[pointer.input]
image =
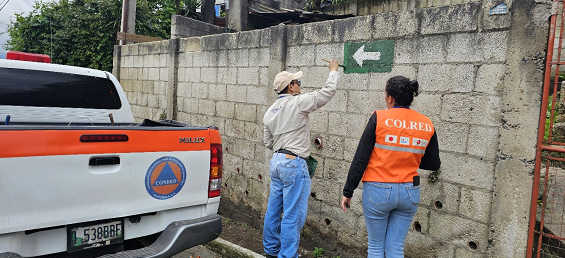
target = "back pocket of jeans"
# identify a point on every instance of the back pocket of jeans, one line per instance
(378, 194)
(414, 194)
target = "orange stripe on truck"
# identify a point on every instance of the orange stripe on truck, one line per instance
(27, 143)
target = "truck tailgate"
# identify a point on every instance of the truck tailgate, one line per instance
(60, 180)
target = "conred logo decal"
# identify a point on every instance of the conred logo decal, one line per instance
(165, 177)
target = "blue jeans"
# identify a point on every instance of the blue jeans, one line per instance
(389, 209)
(290, 190)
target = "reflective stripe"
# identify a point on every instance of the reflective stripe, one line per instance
(394, 148)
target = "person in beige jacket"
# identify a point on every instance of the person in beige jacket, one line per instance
(287, 132)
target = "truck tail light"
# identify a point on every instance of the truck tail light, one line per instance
(22, 56)
(216, 161)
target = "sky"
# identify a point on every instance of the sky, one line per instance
(7, 13)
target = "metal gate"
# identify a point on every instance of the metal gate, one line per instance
(547, 219)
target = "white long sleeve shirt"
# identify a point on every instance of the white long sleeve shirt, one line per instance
(286, 122)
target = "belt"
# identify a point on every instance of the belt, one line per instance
(287, 152)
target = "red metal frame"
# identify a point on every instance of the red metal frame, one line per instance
(550, 145)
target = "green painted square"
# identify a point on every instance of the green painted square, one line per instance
(369, 57)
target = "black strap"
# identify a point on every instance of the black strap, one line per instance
(287, 152)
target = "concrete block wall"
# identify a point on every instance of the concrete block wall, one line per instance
(480, 79)
(144, 75)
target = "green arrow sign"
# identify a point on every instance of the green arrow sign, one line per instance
(369, 57)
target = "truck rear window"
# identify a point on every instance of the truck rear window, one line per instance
(20, 87)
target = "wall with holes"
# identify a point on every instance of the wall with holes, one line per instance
(480, 77)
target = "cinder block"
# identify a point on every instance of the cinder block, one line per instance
(253, 169)
(335, 169)
(452, 136)
(209, 42)
(236, 93)
(466, 170)
(295, 36)
(245, 112)
(222, 58)
(256, 95)
(363, 102)
(313, 79)
(228, 40)
(192, 74)
(261, 110)
(265, 37)
(201, 59)
(483, 142)
(190, 44)
(468, 253)
(475, 204)
(424, 245)
(445, 77)
(354, 29)
(234, 128)
(206, 107)
(138, 61)
(249, 39)
(497, 21)
(449, 19)
(354, 81)
(422, 218)
(377, 81)
(132, 73)
(225, 109)
(428, 105)
(395, 24)
(439, 196)
(143, 74)
(148, 86)
(217, 91)
(490, 78)
(248, 75)
(458, 231)
(254, 132)
(215, 58)
(164, 60)
(148, 61)
(337, 103)
(164, 74)
(327, 191)
(318, 32)
(143, 49)
(143, 99)
(347, 124)
(328, 51)
(422, 50)
(238, 58)
(264, 79)
(153, 74)
(243, 148)
(259, 57)
(160, 88)
(332, 146)
(227, 75)
(336, 220)
(477, 47)
(301, 55)
(163, 102)
(209, 74)
(153, 101)
(200, 90)
(350, 147)
(472, 109)
(318, 122)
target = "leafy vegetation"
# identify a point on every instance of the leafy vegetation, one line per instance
(83, 32)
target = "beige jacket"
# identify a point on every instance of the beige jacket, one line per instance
(286, 122)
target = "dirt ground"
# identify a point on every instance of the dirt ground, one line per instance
(250, 237)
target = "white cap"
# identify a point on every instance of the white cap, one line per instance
(284, 78)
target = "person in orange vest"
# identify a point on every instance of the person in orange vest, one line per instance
(395, 143)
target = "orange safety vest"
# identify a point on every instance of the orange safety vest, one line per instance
(402, 136)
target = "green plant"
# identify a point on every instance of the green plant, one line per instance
(433, 177)
(318, 252)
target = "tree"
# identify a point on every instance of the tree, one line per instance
(83, 32)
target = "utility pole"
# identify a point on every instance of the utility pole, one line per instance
(128, 18)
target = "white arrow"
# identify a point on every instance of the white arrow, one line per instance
(361, 55)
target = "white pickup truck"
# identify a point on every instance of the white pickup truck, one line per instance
(78, 177)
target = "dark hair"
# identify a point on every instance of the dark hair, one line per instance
(402, 89)
(284, 91)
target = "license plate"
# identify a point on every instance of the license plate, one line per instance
(94, 234)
